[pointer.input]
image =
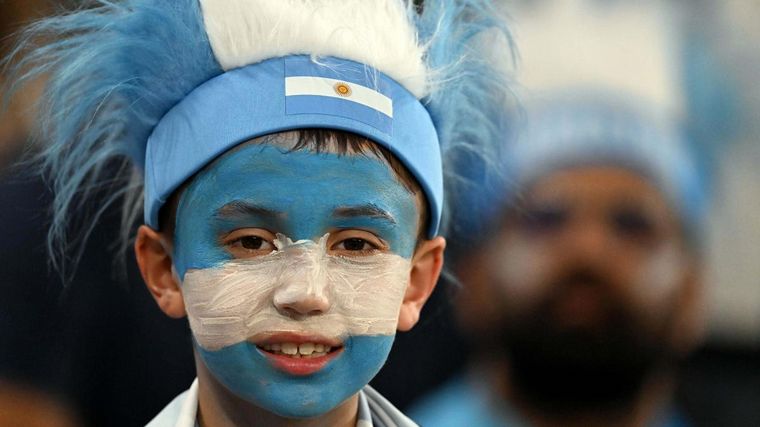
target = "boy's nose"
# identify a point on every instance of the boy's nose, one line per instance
(301, 301)
(304, 305)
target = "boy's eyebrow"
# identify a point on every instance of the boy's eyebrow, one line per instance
(239, 208)
(368, 210)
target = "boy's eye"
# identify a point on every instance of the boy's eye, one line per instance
(355, 245)
(247, 243)
(252, 242)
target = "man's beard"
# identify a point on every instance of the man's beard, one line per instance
(561, 370)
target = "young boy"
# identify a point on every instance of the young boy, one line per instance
(293, 182)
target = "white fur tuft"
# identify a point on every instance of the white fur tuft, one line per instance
(378, 33)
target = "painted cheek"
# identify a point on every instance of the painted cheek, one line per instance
(409, 223)
(196, 238)
(243, 299)
(197, 244)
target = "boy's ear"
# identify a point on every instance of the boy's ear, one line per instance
(427, 263)
(155, 261)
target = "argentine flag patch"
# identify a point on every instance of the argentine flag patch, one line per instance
(351, 93)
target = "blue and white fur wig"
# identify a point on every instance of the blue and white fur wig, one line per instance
(118, 70)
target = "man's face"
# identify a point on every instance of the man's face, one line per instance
(589, 272)
(293, 268)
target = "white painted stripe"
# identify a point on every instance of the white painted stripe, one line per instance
(238, 300)
(322, 86)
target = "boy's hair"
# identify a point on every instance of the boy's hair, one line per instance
(326, 141)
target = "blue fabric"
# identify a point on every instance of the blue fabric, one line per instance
(460, 403)
(249, 102)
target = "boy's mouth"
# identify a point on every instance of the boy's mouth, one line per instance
(307, 349)
(298, 355)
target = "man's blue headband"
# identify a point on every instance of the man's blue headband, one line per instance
(597, 127)
(290, 93)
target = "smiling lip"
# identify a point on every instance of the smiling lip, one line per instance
(298, 355)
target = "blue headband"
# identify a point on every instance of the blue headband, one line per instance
(577, 128)
(290, 93)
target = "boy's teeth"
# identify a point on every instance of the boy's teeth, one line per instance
(307, 349)
(290, 348)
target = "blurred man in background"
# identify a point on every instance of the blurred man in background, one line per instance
(581, 297)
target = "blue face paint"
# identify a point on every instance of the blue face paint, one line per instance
(303, 195)
(245, 371)
(303, 189)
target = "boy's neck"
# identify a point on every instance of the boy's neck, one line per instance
(218, 407)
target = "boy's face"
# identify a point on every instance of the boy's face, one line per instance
(293, 267)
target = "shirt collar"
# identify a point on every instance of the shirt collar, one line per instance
(189, 411)
(364, 415)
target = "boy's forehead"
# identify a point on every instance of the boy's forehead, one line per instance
(279, 178)
(275, 158)
(300, 193)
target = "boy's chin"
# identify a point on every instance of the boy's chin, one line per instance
(250, 374)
